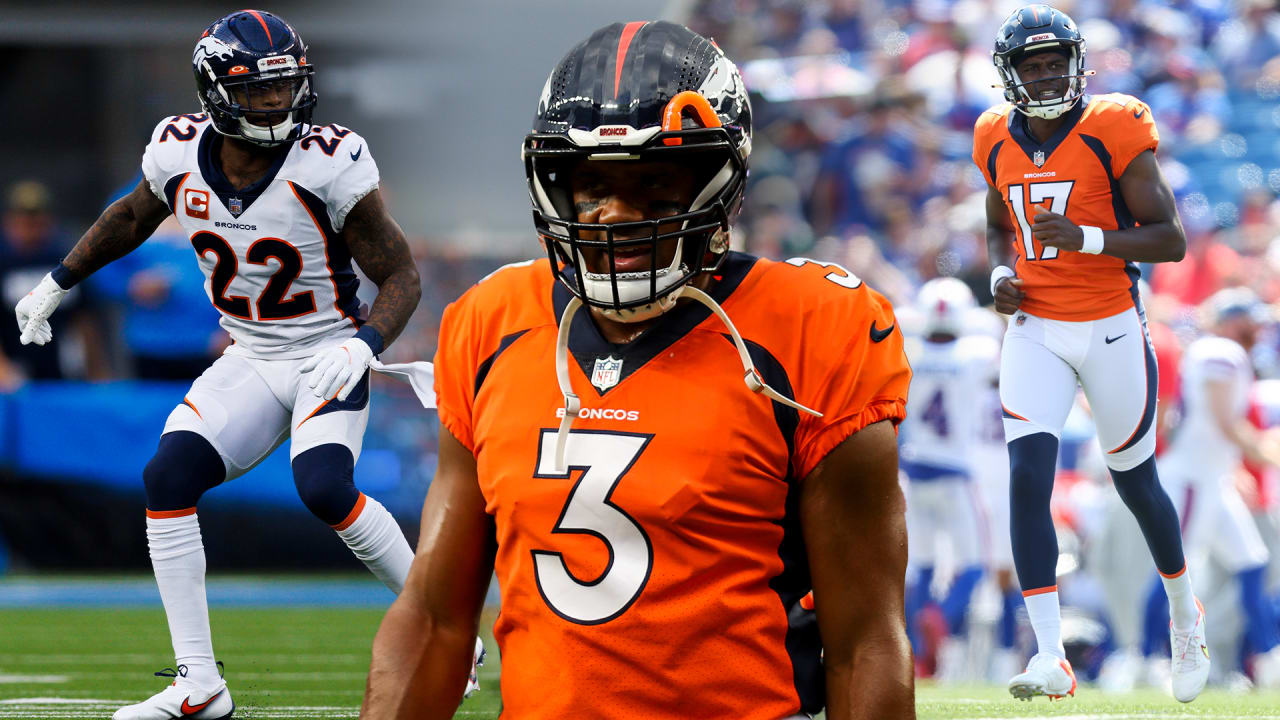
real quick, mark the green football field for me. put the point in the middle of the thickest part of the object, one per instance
(285, 662)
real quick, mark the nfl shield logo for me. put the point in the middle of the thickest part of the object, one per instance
(1038, 158)
(607, 373)
(235, 206)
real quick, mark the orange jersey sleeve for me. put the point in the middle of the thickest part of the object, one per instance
(849, 364)
(1126, 127)
(470, 337)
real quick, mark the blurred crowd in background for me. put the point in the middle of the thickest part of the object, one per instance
(864, 112)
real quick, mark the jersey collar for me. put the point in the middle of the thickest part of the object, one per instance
(211, 170)
(1018, 130)
(587, 345)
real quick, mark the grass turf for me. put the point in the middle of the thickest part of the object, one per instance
(287, 662)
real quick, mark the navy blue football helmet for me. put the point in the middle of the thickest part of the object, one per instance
(244, 63)
(640, 91)
(1032, 29)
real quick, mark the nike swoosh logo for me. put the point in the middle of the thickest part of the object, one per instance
(189, 709)
(878, 335)
(1113, 339)
(1138, 115)
(356, 155)
(1205, 649)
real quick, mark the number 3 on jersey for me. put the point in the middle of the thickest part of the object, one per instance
(604, 459)
(1056, 192)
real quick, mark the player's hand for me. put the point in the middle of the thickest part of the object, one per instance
(335, 372)
(1009, 295)
(34, 310)
(1054, 230)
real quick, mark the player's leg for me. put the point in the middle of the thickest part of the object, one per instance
(1237, 545)
(1037, 388)
(327, 436)
(1119, 377)
(206, 441)
(922, 530)
(963, 528)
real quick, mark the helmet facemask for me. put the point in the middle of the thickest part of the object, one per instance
(245, 97)
(1022, 94)
(679, 246)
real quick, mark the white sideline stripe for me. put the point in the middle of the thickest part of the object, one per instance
(56, 701)
(36, 679)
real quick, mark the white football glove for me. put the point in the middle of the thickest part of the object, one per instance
(339, 369)
(34, 309)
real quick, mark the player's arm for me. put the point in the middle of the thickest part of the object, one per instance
(378, 246)
(121, 228)
(422, 652)
(1159, 236)
(1007, 290)
(1254, 445)
(852, 511)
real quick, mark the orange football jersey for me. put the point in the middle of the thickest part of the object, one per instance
(661, 576)
(1074, 173)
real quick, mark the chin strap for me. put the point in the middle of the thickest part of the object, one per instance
(572, 404)
(751, 376)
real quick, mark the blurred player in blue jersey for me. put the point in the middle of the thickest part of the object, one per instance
(953, 373)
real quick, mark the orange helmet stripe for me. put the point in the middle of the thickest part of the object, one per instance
(265, 29)
(624, 42)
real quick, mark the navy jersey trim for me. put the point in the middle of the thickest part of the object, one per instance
(1149, 353)
(171, 190)
(487, 365)
(587, 345)
(357, 400)
(211, 170)
(1018, 131)
(991, 163)
(1124, 219)
(803, 642)
(336, 253)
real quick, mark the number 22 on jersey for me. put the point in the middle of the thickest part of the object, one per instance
(271, 303)
(603, 458)
(1055, 192)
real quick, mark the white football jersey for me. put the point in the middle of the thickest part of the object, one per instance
(950, 394)
(274, 261)
(1199, 448)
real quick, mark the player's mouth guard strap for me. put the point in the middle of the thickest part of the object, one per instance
(572, 405)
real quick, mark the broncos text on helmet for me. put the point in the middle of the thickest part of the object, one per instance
(1033, 29)
(639, 91)
(244, 64)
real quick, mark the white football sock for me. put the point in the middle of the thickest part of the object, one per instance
(1182, 601)
(375, 538)
(177, 556)
(1046, 621)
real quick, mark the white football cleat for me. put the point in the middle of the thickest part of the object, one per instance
(477, 659)
(183, 698)
(1266, 669)
(1190, 667)
(1046, 674)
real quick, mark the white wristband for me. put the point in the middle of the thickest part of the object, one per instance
(1092, 239)
(1001, 272)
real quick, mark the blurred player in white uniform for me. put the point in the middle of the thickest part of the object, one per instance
(276, 209)
(1204, 459)
(950, 387)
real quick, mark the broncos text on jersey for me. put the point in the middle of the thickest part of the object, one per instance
(274, 261)
(1075, 173)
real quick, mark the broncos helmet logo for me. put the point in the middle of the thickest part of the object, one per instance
(211, 47)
